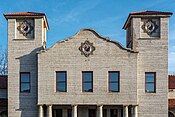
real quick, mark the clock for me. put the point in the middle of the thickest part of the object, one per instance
(25, 28)
(149, 27)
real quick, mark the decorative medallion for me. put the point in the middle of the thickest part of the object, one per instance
(86, 48)
(149, 26)
(25, 28)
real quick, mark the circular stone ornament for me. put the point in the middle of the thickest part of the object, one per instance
(149, 27)
(25, 28)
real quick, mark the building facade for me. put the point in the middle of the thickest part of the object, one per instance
(88, 75)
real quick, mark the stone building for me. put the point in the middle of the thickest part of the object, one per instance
(171, 95)
(88, 75)
(3, 95)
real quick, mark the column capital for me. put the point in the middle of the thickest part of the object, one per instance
(99, 105)
(74, 105)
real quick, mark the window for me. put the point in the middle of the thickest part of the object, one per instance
(24, 82)
(87, 78)
(92, 112)
(113, 81)
(61, 81)
(69, 113)
(104, 112)
(150, 82)
(114, 113)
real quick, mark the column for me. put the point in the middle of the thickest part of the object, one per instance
(135, 111)
(49, 111)
(41, 112)
(125, 111)
(74, 111)
(100, 111)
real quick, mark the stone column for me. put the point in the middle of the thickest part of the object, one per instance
(100, 111)
(125, 111)
(135, 111)
(49, 111)
(41, 112)
(74, 111)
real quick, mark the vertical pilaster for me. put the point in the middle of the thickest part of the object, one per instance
(74, 111)
(100, 111)
(125, 111)
(41, 112)
(49, 111)
(135, 111)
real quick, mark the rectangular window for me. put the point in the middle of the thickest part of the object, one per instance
(114, 112)
(25, 82)
(87, 78)
(69, 113)
(114, 81)
(92, 112)
(61, 81)
(150, 82)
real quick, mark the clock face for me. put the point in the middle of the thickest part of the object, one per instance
(149, 27)
(25, 28)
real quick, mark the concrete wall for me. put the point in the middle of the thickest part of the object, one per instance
(22, 58)
(152, 57)
(65, 56)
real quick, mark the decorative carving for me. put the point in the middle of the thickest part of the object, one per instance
(149, 26)
(86, 48)
(25, 28)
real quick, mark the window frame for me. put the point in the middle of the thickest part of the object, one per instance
(86, 81)
(109, 89)
(25, 82)
(62, 81)
(150, 82)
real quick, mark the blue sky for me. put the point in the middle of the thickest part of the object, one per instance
(107, 17)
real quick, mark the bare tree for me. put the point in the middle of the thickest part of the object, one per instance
(3, 62)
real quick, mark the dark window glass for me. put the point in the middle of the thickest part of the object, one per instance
(61, 81)
(24, 82)
(114, 112)
(92, 113)
(104, 112)
(150, 82)
(113, 81)
(69, 112)
(57, 113)
(87, 81)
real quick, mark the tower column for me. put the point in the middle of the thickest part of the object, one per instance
(125, 111)
(41, 112)
(74, 111)
(49, 111)
(100, 111)
(135, 111)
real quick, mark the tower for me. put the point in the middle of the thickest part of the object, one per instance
(26, 36)
(147, 33)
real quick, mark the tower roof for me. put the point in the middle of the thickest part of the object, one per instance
(27, 14)
(146, 13)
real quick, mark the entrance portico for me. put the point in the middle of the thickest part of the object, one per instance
(89, 111)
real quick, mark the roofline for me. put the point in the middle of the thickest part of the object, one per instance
(97, 34)
(39, 15)
(141, 14)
